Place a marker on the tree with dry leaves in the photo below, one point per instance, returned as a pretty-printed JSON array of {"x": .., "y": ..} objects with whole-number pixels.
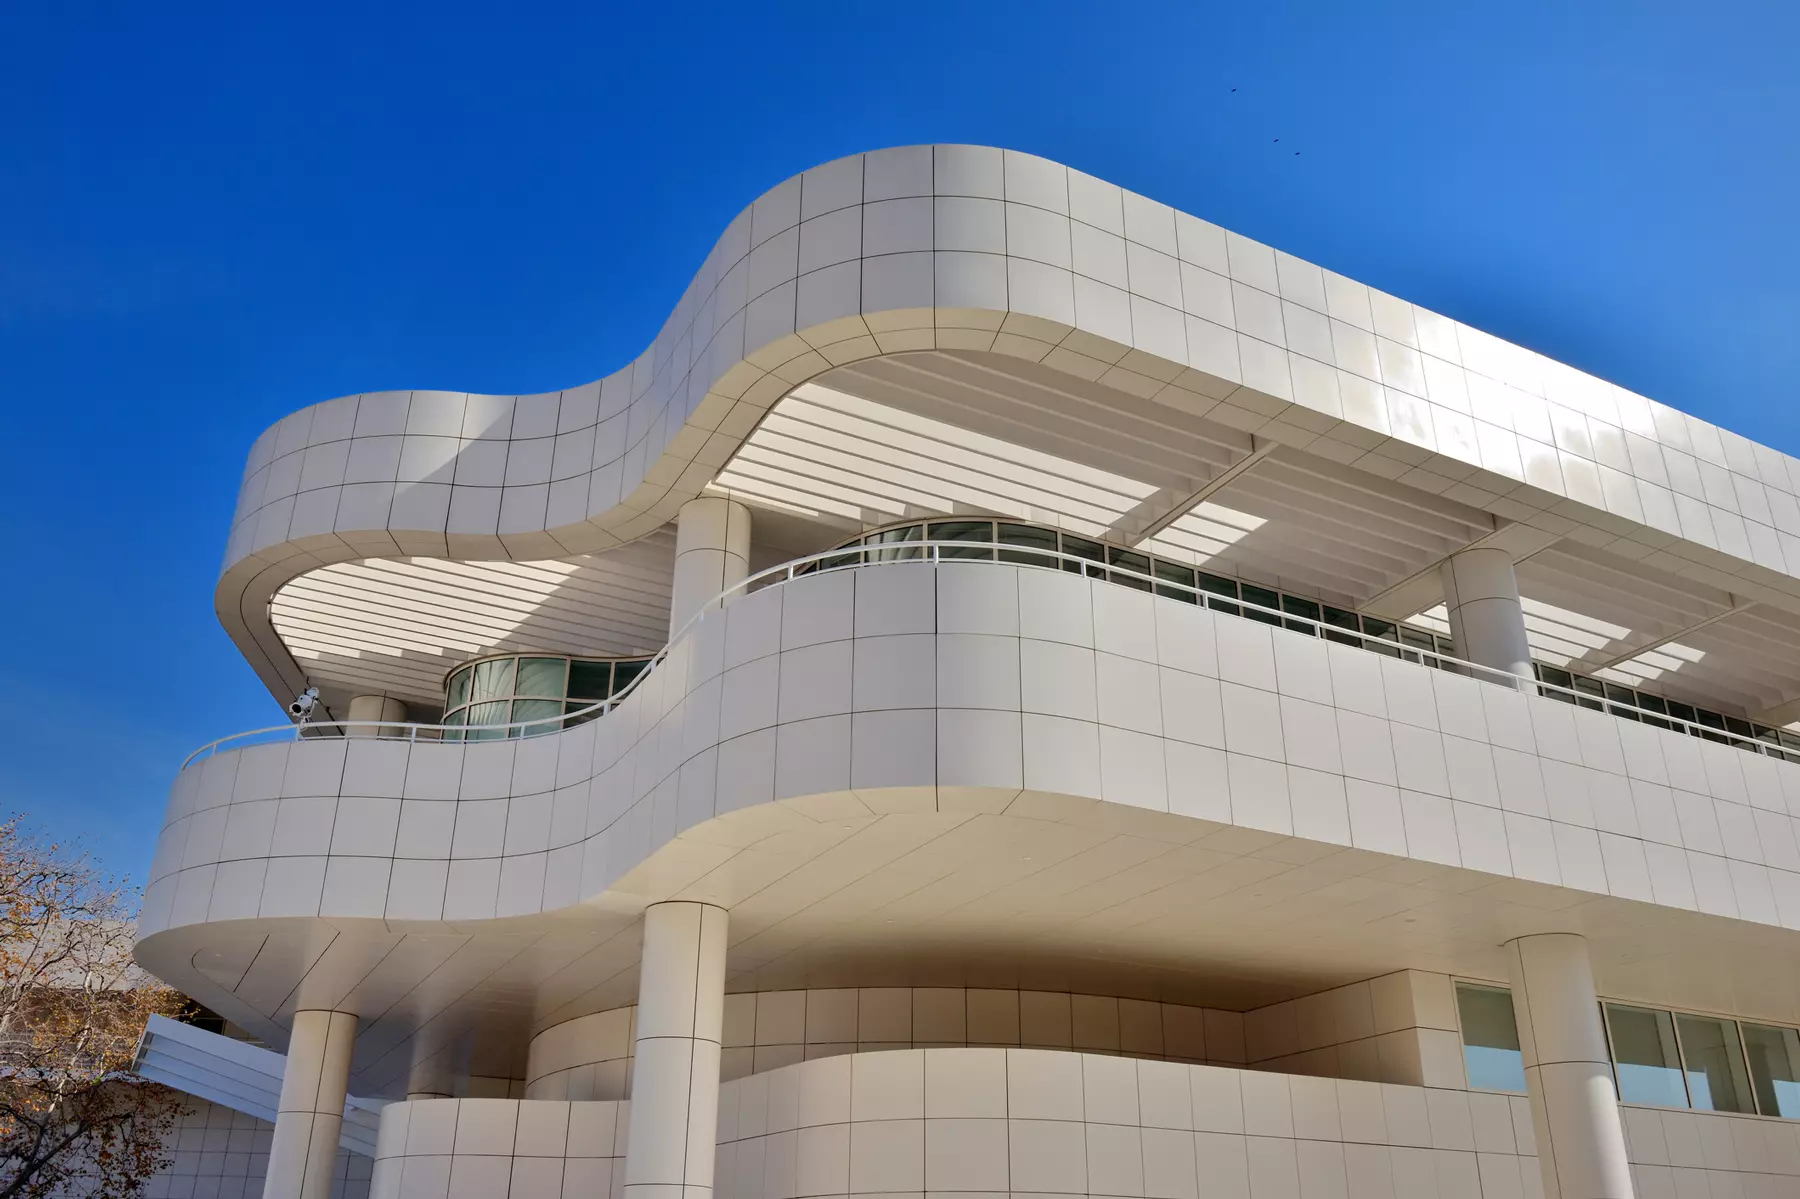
[{"x": 74, "y": 1120}]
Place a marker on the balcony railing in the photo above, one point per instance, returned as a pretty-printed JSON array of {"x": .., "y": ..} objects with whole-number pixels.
[{"x": 966, "y": 552}]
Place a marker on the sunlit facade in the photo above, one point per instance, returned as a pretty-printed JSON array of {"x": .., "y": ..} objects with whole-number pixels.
[{"x": 1018, "y": 690}]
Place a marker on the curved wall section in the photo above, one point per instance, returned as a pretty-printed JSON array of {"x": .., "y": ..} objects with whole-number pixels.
[
  {"x": 438, "y": 1148},
  {"x": 589, "y": 1057},
  {"x": 971, "y": 248}
]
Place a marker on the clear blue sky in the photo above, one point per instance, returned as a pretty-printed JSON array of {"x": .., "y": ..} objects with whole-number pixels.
[{"x": 212, "y": 216}]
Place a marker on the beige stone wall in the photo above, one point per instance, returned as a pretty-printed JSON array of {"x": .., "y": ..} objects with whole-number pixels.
[{"x": 1399, "y": 1028}]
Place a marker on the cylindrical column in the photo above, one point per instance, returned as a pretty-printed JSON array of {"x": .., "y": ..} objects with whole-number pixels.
[
  {"x": 1486, "y": 622},
  {"x": 1568, "y": 1071},
  {"x": 373, "y": 708},
  {"x": 675, "y": 1076},
  {"x": 314, "y": 1085},
  {"x": 712, "y": 552}
]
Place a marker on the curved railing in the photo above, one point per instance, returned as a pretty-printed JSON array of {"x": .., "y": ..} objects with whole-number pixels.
[{"x": 936, "y": 552}]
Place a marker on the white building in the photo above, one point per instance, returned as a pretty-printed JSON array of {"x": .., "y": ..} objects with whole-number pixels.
[{"x": 1072, "y": 730}]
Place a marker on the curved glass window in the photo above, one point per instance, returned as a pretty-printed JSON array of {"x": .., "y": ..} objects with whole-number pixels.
[{"x": 480, "y": 696}]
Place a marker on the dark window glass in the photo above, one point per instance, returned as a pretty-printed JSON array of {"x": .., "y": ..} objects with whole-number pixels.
[
  {"x": 1137, "y": 564},
  {"x": 590, "y": 680},
  {"x": 1740, "y": 727},
  {"x": 580, "y": 713},
  {"x": 894, "y": 543},
  {"x": 1682, "y": 712},
  {"x": 1337, "y": 618},
  {"x": 962, "y": 530},
  {"x": 624, "y": 672},
  {"x": 1585, "y": 687},
  {"x": 1417, "y": 639},
  {"x": 1710, "y": 720},
  {"x": 1081, "y": 547},
  {"x": 1032, "y": 537},
  {"x": 1262, "y": 597},
  {"x": 1182, "y": 576},
  {"x": 1380, "y": 631},
  {"x": 1790, "y": 740},
  {"x": 1293, "y": 605}
]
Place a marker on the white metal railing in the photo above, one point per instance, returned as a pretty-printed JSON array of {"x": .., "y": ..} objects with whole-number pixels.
[{"x": 934, "y": 552}]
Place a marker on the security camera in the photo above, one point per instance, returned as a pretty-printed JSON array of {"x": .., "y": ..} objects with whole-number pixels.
[{"x": 302, "y": 707}]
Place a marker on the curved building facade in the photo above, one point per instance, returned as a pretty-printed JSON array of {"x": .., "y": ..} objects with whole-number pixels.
[{"x": 1017, "y": 690}]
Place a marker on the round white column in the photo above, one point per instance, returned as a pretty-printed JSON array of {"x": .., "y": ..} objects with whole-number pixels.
[
  {"x": 1486, "y": 622},
  {"x": 675, "y": 1077},
  {"x": 373, "y": 708},
  {"x": 1568, "y": 1071},
  {"x": 712, "y": 552},
  {"x": 314, "y": 1085}
]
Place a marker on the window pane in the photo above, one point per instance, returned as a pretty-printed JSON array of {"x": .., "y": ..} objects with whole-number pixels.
[
  {"x": 536, "y": 709},
  {"x": 492, "y": 680},
  {"x": 1263, "y": 598},
  {"x": 1490, "y": 1038},
  {"x": 962, "y": 530},
  {"x": 459, "y": 689},
  {"x": 1181, "y": 577},
  {"x": 580, "y": 713},
  {"x": 589, "y": 680},
  {"x": 1715, "y": 1066},
  {"x": 1644, "y": 1056},
  {"x": 1293, "y": 605},
  {"x": 1774, "y": 1068},
  {"x": 488, "y": 714},
  {"x": 624, "y": 672},
  {"x": 892, "y": 537},
  {"x": 1081, "y": 547},
  {"x": 1137, "y": 564},
  {"x": 1027, "y": 535},
  {"x": 542, "y": 676}
]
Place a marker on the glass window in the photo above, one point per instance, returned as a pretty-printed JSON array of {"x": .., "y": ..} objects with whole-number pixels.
[
  {"x": 1293, "y": 605},
  {"x": 1262, "y": 597},
  {"x": 1490, "y": 1036},
  {"x": 479, "y": 716},
  {"x": 962, "y": 530},
  {"x": 1081, "y": 547},
  {"x": 1027, "y": 535},
  {"x": 458, "y": 692},
  {"x": 536, "y": 709},
  {"x": 892, "y": 537},
  {"x": 590, "y": 680},
  {"x": 1715, "y": 1063},
  {"x": 1182, "y": 578},
  {"x": 1337, "y": 618},
  {"x": 580, "y": 713},
  {"x": 492, "y": 680},
  {"x": 1644, "y": 1056},
  {"x": 1585, "y": 687},
  {"x": 1137, "y": 564},
  {"x": 1774, "y": 1068},
  {"x": 543, "y": 676},
  {"x": 624, "y": 672}
]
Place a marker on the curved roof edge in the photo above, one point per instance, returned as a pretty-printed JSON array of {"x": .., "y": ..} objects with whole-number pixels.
[{"x": 974, "y": 248}]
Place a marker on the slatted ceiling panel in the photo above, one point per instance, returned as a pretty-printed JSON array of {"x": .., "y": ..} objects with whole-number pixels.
[
  {"x": 1026, "y": 404},
  {"x": 399, "y": 625},
  {"x": 1651, "y": 603},
  {"x": 842, "y": 454}
]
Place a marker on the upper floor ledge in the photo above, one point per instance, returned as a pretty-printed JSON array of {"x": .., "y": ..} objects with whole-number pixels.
[
  {"x": 949, "y": 687},
  {"x": 982, "y": 251}
]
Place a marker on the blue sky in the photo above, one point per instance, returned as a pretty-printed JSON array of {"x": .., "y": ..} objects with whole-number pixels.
[{"x": 212, "y": 216}]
